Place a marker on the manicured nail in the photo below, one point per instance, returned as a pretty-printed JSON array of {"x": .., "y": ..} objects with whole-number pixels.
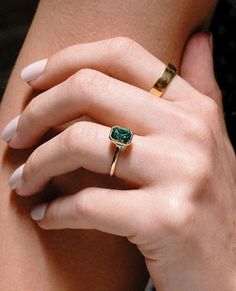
[
  {"x": 34, "y": 70},
  {"x": 38, "y": 212},
  {"x": 10, "y": 129},
  {"x": 16, "y": 177}
]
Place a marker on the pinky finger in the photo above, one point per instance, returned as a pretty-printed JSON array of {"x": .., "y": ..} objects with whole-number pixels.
[{"x": 107, "y": 210}]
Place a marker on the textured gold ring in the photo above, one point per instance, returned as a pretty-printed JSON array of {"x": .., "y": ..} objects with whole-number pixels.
[
  {"x": 164, "y": 80},
  {"x": 121, "y": 137}
]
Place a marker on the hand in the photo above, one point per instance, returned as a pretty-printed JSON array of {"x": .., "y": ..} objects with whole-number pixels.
[{"x": 181, "y": 212}]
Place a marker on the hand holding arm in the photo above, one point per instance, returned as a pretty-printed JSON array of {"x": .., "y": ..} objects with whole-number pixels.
[{"x": 184, "y": 203}]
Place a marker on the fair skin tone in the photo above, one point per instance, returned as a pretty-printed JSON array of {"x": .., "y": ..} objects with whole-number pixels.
[
  {"x": 181, "y": 164},
  {"x": 31, "y": 256}
]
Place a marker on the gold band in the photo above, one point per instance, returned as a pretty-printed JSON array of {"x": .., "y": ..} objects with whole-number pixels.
[
  {"x": 115, "y": 159},
  {"x": 164, "y": 80}
]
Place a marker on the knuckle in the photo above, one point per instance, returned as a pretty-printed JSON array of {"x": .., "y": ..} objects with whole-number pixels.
[
  {"x": 209, "y": 107},
  {"x": 121, "y": 46},
  {"x": 82, "y": 204},
  {"x": 82, "y": 81},
  {"x": 197, "y": 171},
  {"x": 197, "y": 129},
  {"x": 179, "y": 216},
  {"x": 71, "y": 140},
  {"x": 196, "y": 175},
  {"x": 76, "y": 137}
]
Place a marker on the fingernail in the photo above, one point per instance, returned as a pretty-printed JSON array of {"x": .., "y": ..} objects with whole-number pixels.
[
  {"x": 10, "y": 129},
  {"x": 34, "y": 70},
  {"x": 38, "y": 212},
  {"x": 16, "y": 177}
]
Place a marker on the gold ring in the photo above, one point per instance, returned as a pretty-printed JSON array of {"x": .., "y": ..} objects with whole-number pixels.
[
  {"x": 164, "y": 80},
  {"x": 121, "y": 137}
]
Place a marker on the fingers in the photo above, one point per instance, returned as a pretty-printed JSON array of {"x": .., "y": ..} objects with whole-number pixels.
[
  {"x": 197, "y": 66},
  {"x": 91, "y": 93},
  {"x": 119, "y": 57},
  {"x": 107, "y": 210},
  {"x": 84, "y": 144}
]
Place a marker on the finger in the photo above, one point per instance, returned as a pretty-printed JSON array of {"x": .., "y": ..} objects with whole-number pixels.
[
  {"x": 104, "y": 99},
  {"x": 197, "y": 68},
  {"x": 107, "y": 210},
  {"x": 84, "y": 144},
  {"x": 120, "y": 57}
]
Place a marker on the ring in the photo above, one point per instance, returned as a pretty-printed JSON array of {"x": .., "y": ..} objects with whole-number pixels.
[
  {"x": 121, "y": 137},
  {"x": 165, "y": 78}
]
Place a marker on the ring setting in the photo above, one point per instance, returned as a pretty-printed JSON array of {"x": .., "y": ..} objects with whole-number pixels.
[{"x": 121, "y": 137}]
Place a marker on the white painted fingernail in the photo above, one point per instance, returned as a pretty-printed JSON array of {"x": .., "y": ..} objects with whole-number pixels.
[
  {"x": 16, "y": 177},
  {"x": 10, "y": 129},
  {"x": 34, "y": 70},
  {"x": 38, "y": 212}
]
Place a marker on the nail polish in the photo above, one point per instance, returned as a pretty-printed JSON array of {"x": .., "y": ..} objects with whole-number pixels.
[
  {"x": 15, "y": 178},
  {"x": 38, "y": 212},
  {"x": 10, "y": 129},
  {"x": 34, "y": 70}
]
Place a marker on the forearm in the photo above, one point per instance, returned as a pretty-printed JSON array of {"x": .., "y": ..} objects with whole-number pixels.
[{"x": 160, "y": 26}]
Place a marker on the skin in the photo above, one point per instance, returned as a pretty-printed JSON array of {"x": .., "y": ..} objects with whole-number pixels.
[
  {"x": 184, "y": 219},
  {"x": 54, "y": 264}
]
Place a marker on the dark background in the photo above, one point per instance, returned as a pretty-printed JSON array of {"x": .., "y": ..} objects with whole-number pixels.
[{"x": 16, "y": 16}]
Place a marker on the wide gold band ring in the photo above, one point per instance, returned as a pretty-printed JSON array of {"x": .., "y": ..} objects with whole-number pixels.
[
  {"x": 164, "y": 80},
  {"x": 121, "y": 137}
]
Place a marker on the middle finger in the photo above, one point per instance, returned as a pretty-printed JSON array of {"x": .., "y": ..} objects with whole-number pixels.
[{"x": 89, "y": 92}]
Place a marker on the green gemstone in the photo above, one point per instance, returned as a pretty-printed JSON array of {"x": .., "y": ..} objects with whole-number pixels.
[{"x": 121, "y": 135}]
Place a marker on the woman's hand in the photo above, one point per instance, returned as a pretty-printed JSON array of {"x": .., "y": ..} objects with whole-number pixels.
[{"x": 181, "y": 212}]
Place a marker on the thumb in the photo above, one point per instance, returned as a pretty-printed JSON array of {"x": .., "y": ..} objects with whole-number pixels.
[{"x": 197, "y": 66}]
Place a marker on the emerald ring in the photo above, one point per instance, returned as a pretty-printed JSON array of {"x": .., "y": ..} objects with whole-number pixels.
[{"x": 121, "y": 137}]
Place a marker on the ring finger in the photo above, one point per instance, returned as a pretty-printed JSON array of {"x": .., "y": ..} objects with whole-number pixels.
[{"x": 84, "y": 144}]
